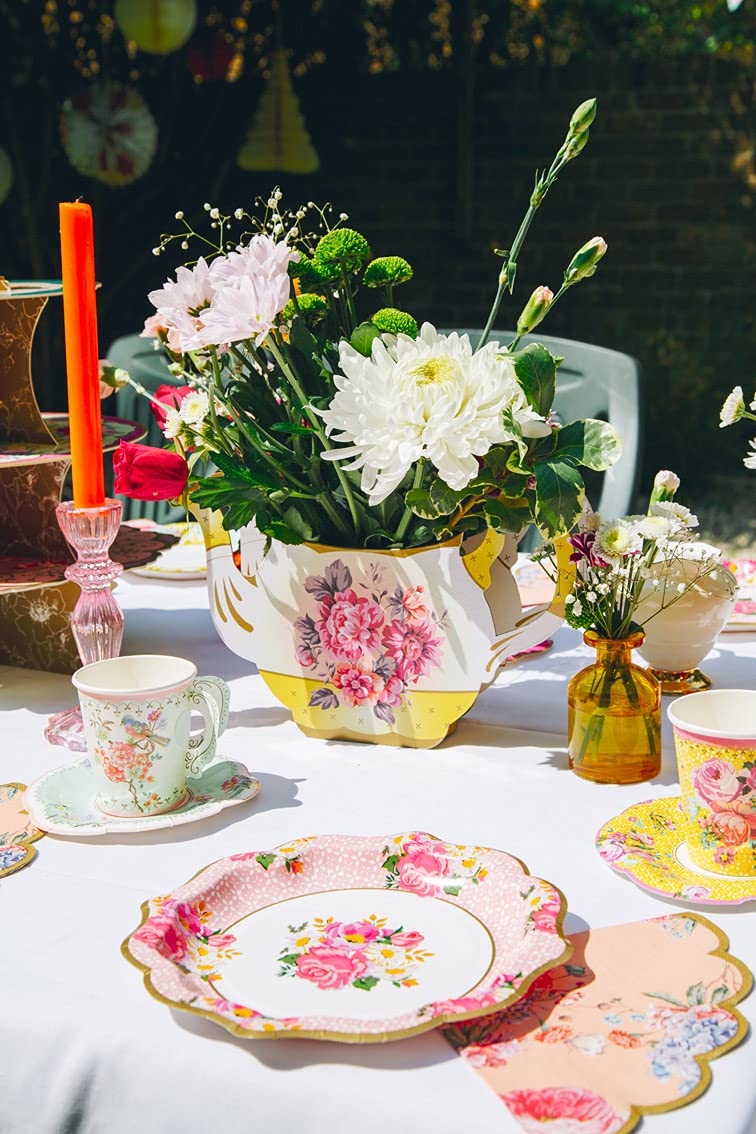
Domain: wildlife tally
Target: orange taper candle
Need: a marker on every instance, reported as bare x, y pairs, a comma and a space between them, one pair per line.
82, 358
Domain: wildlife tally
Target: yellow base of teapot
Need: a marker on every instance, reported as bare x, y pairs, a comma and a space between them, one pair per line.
423, 721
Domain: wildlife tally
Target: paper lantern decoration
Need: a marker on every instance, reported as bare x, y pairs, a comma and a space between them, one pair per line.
208, 58
157, 26
6, 174
108, 133
278, 138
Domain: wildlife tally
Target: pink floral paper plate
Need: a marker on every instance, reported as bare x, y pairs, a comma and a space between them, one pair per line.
743, 617
351, 938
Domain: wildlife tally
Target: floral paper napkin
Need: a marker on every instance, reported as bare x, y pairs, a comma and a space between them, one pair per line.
627, 1027
17, 832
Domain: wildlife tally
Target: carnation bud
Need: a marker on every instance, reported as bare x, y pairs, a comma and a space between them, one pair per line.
535, 310
666, 484
583, 263
574, 144
583, 116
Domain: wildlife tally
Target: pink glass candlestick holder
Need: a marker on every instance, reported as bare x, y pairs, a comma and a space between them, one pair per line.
97, 620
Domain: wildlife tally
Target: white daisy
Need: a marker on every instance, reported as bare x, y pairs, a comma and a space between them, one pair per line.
678, 515
173, 423
655, 527
750, 460
426, 397
733, 408
194, 408
616, 539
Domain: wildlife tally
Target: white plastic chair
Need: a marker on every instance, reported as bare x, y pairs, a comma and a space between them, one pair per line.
596, 382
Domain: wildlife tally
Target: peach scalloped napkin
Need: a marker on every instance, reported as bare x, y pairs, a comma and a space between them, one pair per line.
626, 1028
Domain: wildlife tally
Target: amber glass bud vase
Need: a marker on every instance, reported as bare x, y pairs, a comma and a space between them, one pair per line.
614, 715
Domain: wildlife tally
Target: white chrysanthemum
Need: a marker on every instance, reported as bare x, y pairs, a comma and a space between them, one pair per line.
616, 539
733, 408
183, 303
194, 407
655, 527
426, 397
750, 460
678, 515
173, 423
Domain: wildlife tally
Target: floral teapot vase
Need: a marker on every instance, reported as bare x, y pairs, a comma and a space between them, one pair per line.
389, 647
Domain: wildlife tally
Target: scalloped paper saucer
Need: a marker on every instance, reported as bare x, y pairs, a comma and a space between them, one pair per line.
17, 832
62, 801
646, 844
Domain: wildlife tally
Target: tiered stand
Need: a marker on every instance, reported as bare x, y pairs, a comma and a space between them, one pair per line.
36, 601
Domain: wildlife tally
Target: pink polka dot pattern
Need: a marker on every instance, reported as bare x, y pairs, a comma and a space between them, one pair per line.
185, 936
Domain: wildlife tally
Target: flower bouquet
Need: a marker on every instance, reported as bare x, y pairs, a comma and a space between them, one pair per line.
334, 422
628, 572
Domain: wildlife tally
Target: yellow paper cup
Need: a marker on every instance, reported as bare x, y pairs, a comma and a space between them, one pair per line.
715, 740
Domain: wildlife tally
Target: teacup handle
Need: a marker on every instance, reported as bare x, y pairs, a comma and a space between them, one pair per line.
212, 697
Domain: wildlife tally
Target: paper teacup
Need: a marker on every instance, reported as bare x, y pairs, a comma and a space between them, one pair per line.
137, 713
715, 740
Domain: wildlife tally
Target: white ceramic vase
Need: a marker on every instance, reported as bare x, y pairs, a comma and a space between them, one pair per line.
679, 637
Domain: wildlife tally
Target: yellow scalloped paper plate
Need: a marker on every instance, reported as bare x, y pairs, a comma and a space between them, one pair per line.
646, 844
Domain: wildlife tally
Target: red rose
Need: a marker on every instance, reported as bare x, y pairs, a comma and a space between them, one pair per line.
145, 473
169, 397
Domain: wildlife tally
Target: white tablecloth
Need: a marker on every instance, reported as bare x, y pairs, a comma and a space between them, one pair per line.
84, 1049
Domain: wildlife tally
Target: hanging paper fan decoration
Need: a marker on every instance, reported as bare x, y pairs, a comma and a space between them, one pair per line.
6, 174
278, 138
157, 26
108, 133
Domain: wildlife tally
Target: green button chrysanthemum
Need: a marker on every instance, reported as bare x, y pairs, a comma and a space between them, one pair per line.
387, 271
342, 246
312, 276
311, 307
395, 322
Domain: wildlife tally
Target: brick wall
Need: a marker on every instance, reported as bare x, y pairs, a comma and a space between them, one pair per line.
676, 289
656, 180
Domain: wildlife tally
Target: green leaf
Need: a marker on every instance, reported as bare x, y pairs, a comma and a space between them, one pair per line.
595, 444
289, 959
559, 496
282, 532
362, 338
453, 890
419, 501
506, 515
298, 523
720, 993
365, 982
696, 994
666, 997
443, 498
536, 369
391, 861
265, 860
575, 970
290, 427
257, 477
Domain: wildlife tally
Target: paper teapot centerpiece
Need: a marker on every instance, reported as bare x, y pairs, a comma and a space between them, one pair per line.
389, 647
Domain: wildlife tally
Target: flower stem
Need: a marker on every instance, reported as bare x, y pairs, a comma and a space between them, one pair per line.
407, 513
316, 425
506, 276
349, 298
